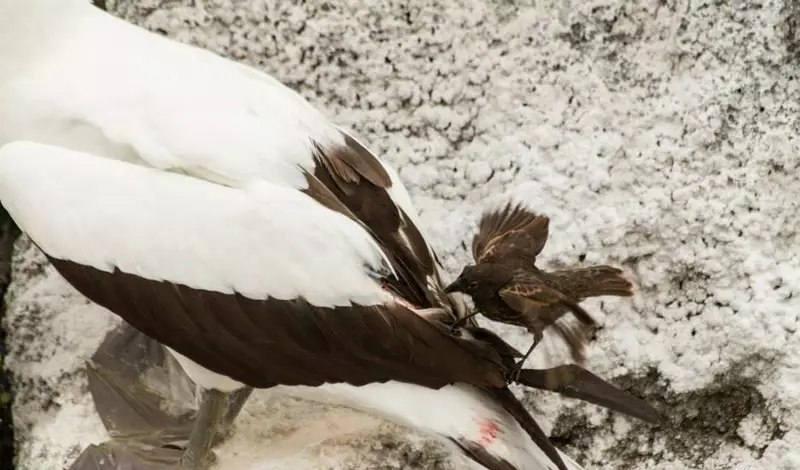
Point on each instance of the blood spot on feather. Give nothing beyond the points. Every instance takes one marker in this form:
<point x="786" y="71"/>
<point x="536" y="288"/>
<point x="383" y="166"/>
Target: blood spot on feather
<point x="488" y="431"/>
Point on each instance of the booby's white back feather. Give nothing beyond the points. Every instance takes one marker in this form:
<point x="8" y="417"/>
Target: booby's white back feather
<point x="163" y="103"/>
<point x="263" y="240"/>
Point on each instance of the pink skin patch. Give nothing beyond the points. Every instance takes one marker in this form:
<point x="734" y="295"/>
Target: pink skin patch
<point x="488" y="431"/>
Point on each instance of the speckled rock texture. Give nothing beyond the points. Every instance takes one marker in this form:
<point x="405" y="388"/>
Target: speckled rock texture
<point x="8" y="233"/>
<point x="657" y="135"/>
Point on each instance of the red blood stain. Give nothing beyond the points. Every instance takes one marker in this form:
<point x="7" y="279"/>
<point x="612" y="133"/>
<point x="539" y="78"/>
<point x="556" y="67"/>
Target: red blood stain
<point x="489" y="431"/>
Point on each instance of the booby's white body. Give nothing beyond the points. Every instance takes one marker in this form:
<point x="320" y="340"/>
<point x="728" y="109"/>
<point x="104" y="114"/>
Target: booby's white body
<point x="98" y="84"/>
<point x="89" y="81"/>
<point x="74" y="76"/>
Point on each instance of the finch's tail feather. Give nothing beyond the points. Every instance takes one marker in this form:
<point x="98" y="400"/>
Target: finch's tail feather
<point x="595" y="281"/>
<point x="575" y="335"/>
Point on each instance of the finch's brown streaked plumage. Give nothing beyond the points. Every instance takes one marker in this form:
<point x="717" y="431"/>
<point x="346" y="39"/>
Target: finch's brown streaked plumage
<point x="506" y="285"/>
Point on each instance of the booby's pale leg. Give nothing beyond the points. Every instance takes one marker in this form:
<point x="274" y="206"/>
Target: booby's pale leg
<point x="212" y="412"/>
<point x="236" y="401"/>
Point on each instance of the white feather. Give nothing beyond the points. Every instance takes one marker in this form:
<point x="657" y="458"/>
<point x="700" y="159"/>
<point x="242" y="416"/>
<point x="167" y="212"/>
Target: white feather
<point x="162" y="103"/>
<point x="459" y="411"/>
<point x="263" y="240"/>
<point x="203" y="377"/>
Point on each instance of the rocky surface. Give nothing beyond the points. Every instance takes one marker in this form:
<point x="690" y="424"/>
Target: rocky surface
<point x="659" y="135"/>
<point x="8" y="233"/>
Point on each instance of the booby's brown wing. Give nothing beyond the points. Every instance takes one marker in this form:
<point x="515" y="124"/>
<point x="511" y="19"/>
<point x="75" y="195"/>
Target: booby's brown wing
<point x="511" y="232"/>
<point x="263" y="343"/>
<point x="351" y="163"/>
<point x="362" y="189"/>
<point x="576" y="382"/>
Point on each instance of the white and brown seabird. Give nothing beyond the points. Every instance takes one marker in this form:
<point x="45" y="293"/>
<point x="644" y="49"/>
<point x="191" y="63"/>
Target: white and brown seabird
<point x="180" y="109"/>
<point x="264" y="286"/>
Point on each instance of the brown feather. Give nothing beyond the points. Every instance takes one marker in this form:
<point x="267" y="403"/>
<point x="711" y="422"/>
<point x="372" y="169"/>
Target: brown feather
<point x="357" y="179"/>
<point x="343" y="175"/>
<point x="576" y="336"/>
<point x="320" y="193"/>
<point x="512" y="232"/>
<point x="351" y="162"/>
<point x="576" y="382"/>
<point x="514" y="407"/>
<point x="594" y="281"/>
<point x="365" y="163"/>
<point x="530" y="297"/>
<point x="263" y="343"/>
<point x="507" y="352"/>
<point x="479" y="454"/>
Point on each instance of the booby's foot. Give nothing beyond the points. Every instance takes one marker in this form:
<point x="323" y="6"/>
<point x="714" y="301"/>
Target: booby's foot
<point x="191" y="462"/>
<point x="118" y="455"/>
<point x="140" y="395"/>
<point x="210" y="416"/>
<point x="146" y="402"/>
<point x="114" y="455"/>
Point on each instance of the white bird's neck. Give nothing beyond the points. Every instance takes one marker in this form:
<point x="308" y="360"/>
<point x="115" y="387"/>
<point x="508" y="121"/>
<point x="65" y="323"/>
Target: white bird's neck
<point x="28" y="25"/>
